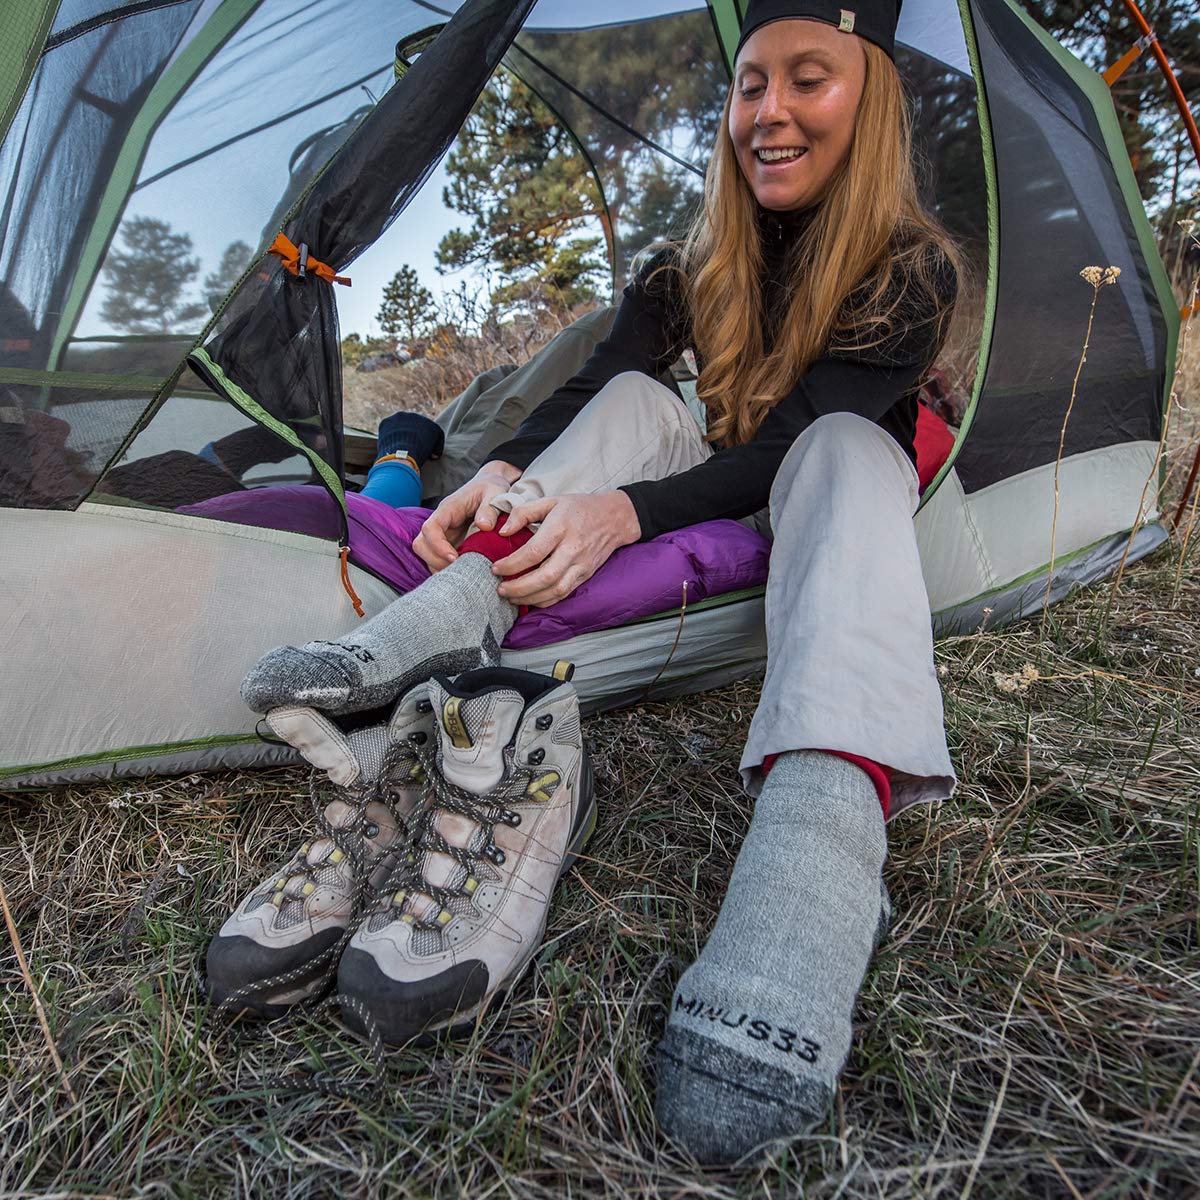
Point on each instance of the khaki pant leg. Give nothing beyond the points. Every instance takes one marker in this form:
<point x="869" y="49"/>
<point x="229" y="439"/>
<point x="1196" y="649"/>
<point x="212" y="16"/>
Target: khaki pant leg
<point x="849" y="639"/>
<point x="633" y="429"/>
<point x="492" y="408"/>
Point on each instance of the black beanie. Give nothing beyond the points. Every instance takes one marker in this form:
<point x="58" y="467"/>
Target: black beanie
<point x="874" y="20"/>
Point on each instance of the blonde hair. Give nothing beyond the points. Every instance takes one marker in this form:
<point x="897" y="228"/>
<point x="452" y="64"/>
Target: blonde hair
<point x="865" y="267"/>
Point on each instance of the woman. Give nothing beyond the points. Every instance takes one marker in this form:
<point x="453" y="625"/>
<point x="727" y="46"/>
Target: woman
<point x="816" y="293"/>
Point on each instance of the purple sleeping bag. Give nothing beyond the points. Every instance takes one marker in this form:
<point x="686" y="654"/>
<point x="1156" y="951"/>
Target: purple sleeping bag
<point x="638" y="581"/>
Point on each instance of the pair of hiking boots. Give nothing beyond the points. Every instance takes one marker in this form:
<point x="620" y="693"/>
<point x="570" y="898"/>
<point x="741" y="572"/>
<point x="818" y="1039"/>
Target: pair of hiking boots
<point x="426" y="893"/>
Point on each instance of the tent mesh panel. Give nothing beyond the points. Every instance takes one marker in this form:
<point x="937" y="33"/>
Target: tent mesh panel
<point x="1061" y="209"/>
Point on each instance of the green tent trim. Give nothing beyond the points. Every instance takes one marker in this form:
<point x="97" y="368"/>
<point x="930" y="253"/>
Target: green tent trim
<point x="216" y="32"/>
<point x="255" y="411"/>
<point x="26" y="28"/>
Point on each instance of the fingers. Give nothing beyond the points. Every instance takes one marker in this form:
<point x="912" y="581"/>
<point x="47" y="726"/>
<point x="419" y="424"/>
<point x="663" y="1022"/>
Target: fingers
<point x="538" y="548"/>
<point x="528" y="514"/>
<point x="553" y="581"/>
<point x="434" y="561"/>
<point x="432" y="544"/>
<point x="486" y="516"/>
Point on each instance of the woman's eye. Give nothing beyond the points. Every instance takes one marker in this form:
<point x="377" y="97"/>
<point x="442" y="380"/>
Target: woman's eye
<point x="808" y="83"/>
<point x="752" y="90"/>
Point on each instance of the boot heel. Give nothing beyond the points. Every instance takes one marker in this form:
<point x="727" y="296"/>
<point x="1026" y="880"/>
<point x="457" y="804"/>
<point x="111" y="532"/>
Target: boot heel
<point x="585" y="818"/>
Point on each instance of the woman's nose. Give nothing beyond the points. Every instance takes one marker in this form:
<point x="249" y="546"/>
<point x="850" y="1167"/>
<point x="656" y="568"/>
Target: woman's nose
<point x="771" y="109"/>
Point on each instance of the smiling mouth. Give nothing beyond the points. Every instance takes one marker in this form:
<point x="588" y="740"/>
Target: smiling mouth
<point x="782" y="154"/>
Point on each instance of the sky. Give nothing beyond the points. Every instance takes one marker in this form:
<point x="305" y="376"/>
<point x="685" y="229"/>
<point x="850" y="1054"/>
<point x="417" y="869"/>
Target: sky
<point x="412" y="241"/>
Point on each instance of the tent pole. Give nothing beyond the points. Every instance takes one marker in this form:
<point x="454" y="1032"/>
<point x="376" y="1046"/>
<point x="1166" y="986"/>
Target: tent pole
<point x="1181" y="101"/>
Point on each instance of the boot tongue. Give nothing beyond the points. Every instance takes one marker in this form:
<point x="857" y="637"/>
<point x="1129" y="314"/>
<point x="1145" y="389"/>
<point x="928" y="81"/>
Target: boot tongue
<point x="347" y="758"/>
<point x="473" y="730"/>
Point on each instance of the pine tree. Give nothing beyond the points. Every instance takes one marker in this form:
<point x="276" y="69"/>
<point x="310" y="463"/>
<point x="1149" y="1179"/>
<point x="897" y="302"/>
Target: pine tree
<point x="407" y="310"/>
<point x="233" y="262"/>
<point x="530" y="193"/>
<point x="147" y="279"/>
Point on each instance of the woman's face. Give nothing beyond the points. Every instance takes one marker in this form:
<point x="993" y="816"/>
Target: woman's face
<point x="796" y="88"/>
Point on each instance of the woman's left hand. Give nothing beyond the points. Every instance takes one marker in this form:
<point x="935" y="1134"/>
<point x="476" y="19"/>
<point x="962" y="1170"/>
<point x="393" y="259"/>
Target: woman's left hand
<point x="577" y="536"/>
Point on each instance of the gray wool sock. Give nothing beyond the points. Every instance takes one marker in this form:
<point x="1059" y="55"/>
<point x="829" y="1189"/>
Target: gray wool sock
<point x="453" y="622"/>
<point x="760" y="1024"/>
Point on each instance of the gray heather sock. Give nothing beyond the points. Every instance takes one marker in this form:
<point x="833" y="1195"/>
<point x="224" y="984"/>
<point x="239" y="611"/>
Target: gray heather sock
<point x="453" y="622"/>
<point x="760" y="1024"/>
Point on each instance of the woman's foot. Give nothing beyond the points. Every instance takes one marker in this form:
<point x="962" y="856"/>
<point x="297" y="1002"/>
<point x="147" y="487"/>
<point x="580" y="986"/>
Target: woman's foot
<point x="760" y="1024"/>
<point x="453" y="622"/>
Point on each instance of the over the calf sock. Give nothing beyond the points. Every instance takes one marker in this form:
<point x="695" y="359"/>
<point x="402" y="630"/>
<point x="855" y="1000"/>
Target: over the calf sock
<point x="453" y="622"/>
<point x="760" y="1024"/>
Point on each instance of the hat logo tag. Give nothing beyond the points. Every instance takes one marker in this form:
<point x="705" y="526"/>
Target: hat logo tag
<point x="846" y="25"/>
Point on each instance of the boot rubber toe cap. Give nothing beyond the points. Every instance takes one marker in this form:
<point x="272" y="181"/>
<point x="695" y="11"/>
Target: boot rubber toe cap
<point x="404" y="1009"/>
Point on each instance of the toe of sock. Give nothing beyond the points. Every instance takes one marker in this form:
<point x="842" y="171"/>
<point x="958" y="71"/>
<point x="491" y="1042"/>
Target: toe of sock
<point x="289" y="675"/>
<point x="720" y="1105"/>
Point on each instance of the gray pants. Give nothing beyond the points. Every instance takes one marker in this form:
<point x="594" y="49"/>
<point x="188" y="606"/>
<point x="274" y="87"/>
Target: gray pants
<point x="849" y="640"/>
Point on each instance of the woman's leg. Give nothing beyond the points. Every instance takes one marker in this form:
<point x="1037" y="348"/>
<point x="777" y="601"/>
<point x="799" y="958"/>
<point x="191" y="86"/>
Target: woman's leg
<point x="760" y="1025"/>
<point x="633" y="428"/>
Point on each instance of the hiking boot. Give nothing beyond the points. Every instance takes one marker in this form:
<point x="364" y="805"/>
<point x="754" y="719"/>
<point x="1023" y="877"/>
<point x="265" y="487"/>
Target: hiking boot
<point x="280" y="946"/>
<point x="510" y="803"/>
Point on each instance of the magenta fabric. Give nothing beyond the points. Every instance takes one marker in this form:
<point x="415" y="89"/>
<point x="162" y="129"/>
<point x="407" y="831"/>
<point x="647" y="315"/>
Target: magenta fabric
<point x="638" y="581"/>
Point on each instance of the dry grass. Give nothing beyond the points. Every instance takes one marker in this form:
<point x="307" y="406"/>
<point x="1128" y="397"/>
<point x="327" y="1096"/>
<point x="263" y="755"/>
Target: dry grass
<point x="449" y="363"/>
<point x="1029" y="1029"/>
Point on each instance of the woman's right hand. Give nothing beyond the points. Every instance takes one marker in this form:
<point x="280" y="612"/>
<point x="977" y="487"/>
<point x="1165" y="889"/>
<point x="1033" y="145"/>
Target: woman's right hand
<point x="447" y="525"/>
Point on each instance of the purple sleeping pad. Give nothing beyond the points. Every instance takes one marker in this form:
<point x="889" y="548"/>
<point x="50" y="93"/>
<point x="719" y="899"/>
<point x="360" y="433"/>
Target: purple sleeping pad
<point x="638" y="581"/>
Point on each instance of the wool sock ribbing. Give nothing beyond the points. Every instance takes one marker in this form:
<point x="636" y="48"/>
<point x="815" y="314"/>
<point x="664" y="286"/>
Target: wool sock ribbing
<point x="760" y="1024"/>
<point x="453" y="622"/>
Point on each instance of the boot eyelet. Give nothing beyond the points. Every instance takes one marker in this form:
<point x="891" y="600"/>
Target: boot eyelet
<point x="495" y="854"/>
<point x="419" y="738"/>
<point x="544" y="722"/>
<point x="372" y="830"/>
<point x="424" y="706"/>
<point x="512" y="818"/>
<point x="536" y="757"/>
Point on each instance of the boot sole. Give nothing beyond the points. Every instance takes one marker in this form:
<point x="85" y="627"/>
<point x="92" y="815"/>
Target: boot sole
<point x="462" y="1023"/>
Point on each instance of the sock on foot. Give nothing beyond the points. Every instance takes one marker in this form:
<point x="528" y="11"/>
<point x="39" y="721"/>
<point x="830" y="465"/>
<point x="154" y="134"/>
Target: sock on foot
<point x="760" y="1024"/>
<point x="453" y="622"/>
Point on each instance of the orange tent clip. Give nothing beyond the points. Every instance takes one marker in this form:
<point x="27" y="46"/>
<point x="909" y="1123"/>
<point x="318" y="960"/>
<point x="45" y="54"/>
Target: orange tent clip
<point x="298" y="261"/>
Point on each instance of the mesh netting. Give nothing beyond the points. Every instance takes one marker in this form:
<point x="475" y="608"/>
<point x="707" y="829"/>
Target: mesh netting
<point x="1061" y="209"/>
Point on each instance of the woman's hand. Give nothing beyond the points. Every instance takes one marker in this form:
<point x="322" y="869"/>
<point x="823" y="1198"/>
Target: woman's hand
<point x="447" y="525"/>
<point x="577" y="537"/>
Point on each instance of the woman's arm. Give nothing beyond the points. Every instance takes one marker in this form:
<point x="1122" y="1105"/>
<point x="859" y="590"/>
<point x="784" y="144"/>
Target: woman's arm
<point x="736" y="482"/>
<point x="647" y="335"/>
<point x="878" y="382"/>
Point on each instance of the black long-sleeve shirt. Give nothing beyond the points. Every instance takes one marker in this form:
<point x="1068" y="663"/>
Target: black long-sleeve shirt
<point x="652" y="328"/>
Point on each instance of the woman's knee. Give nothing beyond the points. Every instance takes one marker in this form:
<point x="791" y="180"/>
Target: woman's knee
<point x="841" y="448"/>
<point x="636" y="392"/>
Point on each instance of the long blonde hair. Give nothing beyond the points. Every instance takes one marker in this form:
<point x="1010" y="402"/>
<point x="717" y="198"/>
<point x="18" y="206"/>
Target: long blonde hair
<point x="869" y="235"/>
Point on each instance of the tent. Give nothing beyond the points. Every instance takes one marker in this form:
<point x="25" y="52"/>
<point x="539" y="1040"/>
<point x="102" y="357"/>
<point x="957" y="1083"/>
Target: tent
<point x="125" y="625"/>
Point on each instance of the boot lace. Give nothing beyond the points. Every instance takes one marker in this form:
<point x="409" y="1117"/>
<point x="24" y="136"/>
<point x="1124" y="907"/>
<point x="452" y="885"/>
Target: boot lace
<point x="497" y="806"/>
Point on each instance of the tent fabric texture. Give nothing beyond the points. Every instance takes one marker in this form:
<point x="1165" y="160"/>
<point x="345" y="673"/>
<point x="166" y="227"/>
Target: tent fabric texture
<point x="152" y="153"/>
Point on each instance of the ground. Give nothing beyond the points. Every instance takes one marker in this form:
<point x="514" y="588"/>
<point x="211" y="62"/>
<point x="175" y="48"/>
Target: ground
<point x="1029" y="1028"/>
